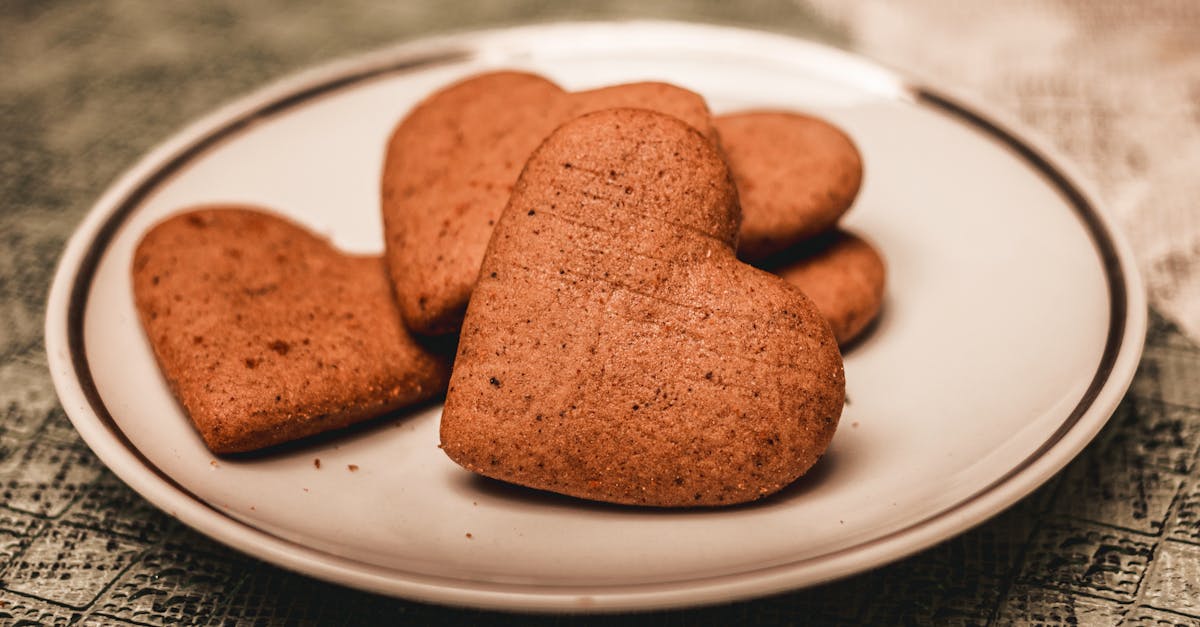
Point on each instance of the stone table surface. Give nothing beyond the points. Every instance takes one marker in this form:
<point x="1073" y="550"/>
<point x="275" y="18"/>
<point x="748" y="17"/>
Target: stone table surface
<point x="87" y="87"/>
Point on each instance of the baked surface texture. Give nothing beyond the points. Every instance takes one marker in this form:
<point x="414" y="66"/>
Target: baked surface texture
<point x="796" y="175"/>
<point x="615" y="348"/>
<point x="451" y="165"/>
<point x="268" y="334"/>
<point x="844" y="276"/>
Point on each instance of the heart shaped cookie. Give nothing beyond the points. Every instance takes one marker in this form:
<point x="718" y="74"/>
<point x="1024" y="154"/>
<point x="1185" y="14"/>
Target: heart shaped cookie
<point x="842" y="273"/>
<point x="796" y="175"/>
<point x="615" y="348"/>
<point x="451" y="164"/>
<point x="267" y="334"/>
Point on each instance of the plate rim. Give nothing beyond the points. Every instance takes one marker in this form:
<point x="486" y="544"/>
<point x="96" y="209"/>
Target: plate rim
<point x="80" y="399"/>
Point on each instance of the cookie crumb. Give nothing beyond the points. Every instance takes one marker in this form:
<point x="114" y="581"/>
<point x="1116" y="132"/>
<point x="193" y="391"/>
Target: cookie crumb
<point x="213" y="463"/>
<point x="469" y="536"/>
<point x="854" y="424"/>
<point x="352" y="467"/>
<point x="317" y="463"/>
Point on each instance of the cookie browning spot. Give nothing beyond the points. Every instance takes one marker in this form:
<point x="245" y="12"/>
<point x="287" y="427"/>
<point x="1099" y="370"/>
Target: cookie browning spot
<point x="450" y="167"/>
<point x="317" y="463"/>
<point x="321" y="349"/>
<point x="796" y="175"/>
<point x="652" y="311"/>
<point x="842" y="273"/>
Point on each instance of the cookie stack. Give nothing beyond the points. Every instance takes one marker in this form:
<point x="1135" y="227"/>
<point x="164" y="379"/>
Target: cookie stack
<point x="590" y="250"/>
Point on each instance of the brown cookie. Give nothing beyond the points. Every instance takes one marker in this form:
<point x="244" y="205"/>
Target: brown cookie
<point x="615" y="348"/>
<point x="842" y="274"/>
<point x="267" y="334"/>
<point x="451" y="164"/>
<point x="795" y="174"/>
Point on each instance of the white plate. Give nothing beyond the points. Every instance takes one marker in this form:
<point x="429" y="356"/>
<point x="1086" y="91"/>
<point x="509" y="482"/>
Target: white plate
<point x="1013" y="323"/>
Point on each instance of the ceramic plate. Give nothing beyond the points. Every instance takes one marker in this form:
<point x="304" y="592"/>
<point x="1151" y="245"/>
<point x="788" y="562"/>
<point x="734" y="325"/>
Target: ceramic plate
<point x="1012" y="326"/>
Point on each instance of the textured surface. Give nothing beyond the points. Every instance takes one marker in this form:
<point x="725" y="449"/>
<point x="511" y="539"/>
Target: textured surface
<point x="842" y="273"/>
<point x="89" y="86"/>
<point x="616" y="349"/>
<point x="451" y="165"/>
<point x="795" y="174"/>
<point x="268" y="334"/>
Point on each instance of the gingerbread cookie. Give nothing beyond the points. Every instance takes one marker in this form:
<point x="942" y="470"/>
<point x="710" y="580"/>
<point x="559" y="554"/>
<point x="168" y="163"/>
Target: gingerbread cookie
<point x="615" y="348"/>
<point x="267" y="334"/>
<point x="451" y="164"/>
<point x="842" y="274"/>
<point x="795" y="174"/>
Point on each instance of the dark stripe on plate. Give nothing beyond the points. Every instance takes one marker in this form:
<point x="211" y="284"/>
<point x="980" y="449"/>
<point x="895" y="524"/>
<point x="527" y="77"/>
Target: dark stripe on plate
<point x="1101" y="240"/>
